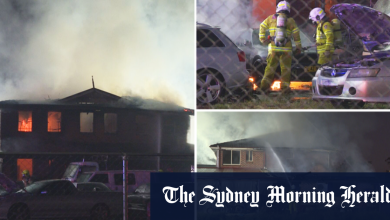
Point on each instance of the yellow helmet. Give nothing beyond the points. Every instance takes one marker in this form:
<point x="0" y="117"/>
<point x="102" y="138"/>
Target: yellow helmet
<point x="25" y="172"/>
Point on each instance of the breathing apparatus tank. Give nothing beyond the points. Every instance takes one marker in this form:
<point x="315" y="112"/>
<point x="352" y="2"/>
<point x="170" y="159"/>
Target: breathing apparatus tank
<point x="338" y="37"/>
<point x="281" y="32"/>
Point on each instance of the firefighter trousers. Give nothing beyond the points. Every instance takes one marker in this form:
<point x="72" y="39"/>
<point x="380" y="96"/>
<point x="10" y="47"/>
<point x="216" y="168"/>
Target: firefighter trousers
<point x="273" y="60"/>
<point x="322" y="59"/>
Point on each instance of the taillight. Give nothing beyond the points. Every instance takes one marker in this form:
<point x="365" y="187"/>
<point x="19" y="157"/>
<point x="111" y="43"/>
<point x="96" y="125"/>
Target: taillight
<point x="241" y="56"/>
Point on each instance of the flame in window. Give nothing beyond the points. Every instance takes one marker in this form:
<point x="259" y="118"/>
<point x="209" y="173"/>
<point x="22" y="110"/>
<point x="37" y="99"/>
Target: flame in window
<point x="25" y="121"/>
<point x="54" y="121"/>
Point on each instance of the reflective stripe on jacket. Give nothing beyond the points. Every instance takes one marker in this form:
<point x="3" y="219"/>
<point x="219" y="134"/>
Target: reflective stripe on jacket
<point x="291" y="30"/>
<point x="325" y="38"/>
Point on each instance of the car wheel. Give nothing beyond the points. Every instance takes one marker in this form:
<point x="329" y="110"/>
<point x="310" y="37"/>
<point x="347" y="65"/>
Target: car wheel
<point x="19" y="212"/>
<point x="100" y="212"/>
<point x="209" y="88"/>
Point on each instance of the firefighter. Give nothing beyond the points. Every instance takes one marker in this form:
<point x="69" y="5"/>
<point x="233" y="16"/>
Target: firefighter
<point x="281" y="28"/>
<point x="324" y="35"/>
<point x="26" y="178"/>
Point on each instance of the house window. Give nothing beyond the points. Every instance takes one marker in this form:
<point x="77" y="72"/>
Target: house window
<point x="144" y="124"/>
<point x="249" y="155"/>
<point x="25" y="121"/>
<point x="54" y="121"/>
<point x="231" y="157"/>
<point x="86" y="122"/>
<point x="110" y="122"/>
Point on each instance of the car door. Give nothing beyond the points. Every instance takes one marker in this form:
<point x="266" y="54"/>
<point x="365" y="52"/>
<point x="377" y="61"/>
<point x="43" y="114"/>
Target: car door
<point x="53" y="201"/>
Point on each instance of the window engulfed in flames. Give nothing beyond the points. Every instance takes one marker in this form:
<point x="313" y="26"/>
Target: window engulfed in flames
<point x="54" y="121"/>
<point x="25" y="121"/>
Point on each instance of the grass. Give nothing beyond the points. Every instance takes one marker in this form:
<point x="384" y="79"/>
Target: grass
<point x="277" y="101"/>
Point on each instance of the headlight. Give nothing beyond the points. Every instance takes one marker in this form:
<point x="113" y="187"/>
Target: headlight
<point x="358" y="73"/>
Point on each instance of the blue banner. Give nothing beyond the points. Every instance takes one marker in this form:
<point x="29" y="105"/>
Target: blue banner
<point x="270" y="195"/>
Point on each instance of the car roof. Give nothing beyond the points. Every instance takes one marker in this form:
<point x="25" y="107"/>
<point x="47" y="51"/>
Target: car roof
<point x="204" y="25"/>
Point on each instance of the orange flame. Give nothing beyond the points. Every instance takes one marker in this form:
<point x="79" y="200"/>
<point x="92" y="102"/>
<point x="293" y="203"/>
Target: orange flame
<point x="26" y="126"/>
<point x="293" y="85"/>
<point x="25" y="121"/>
<point x="254" y="86"/>
<point x="276" y="85"/>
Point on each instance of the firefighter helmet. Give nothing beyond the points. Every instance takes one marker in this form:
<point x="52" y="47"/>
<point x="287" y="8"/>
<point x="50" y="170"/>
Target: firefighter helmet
<point x="283" y="6"/>
<point x="317" y="14"/>
<point x="26" y="173"/>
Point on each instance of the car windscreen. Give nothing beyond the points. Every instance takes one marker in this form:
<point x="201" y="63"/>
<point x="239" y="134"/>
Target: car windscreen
<point x="87" y="168"/>
<point x="71" y="170"/>
<point x="84" y="177"/>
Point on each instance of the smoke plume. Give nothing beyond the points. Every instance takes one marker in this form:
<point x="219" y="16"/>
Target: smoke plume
<point x="50" y="49"/>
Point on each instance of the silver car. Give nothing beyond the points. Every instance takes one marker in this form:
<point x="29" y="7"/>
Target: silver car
<point x="221" y="65"/>
<point x="366" y="79"/>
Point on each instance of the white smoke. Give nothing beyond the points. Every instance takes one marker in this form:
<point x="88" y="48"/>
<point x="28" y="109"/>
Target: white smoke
<point x="139" y="48"/>
<point x="233" y="16"/>
<point x="235" y="19"/>
<point x="296" y="130"/>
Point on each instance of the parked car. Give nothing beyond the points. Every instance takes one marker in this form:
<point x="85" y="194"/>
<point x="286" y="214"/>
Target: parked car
<point x="365" y="79"/>
<point x="59" y="199"/>
<point x="92" y="187"/>
<point x="139" y="202"/>
<point x="113" y="179"/>
<point x="220" y="64"/>
<point x="76" y="168"/>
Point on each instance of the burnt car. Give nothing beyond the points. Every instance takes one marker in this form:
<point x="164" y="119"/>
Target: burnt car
<point x="352" y="83"/>
<point x="139" y="202"/>
<point x="59" y="199"/>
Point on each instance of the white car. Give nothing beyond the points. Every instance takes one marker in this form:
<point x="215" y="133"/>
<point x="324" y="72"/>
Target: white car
<point x="366" y="79"/>
<point x="221" y="65"/>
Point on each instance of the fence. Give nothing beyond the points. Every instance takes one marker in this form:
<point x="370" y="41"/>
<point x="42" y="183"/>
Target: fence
<point x="231" y="60"/>
<point x="99" y="184"/>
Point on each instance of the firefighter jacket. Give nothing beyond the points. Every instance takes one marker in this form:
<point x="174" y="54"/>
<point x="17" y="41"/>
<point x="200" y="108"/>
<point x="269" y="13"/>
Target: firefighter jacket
<point x="291" y="29"/>
<point x="325" y="37"/>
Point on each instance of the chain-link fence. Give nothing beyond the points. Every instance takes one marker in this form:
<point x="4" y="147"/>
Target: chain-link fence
<point x="348" y="70"/>
<point x="81" y="185"/>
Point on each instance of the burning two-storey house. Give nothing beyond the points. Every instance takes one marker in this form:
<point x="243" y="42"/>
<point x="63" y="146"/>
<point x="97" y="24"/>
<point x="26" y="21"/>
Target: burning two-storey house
<point x="90" y="121"/>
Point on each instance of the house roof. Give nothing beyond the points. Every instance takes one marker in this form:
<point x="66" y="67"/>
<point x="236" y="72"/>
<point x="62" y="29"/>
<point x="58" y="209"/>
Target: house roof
<point x="99" y="98"/>
<point x="91" y="95"/>
<point x="282" y="139"/>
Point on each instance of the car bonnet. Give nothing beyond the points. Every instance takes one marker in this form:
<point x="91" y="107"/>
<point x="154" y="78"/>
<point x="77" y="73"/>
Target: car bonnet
<point x="372" y="26"/>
